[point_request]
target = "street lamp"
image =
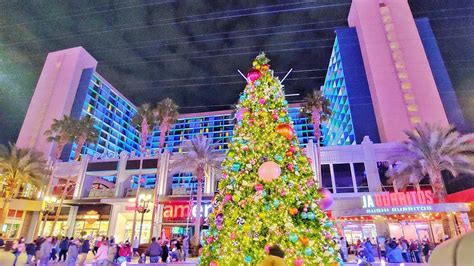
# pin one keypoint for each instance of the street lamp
(48, 208)
(143, 201)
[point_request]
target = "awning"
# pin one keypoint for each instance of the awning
(438, 207)
(461, 196)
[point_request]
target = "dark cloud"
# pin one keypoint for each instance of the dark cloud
(191, 50)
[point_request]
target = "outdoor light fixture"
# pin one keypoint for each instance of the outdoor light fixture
(48, 208)
(143, 202)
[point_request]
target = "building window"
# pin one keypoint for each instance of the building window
(326, 177)
(343, 178)
(361, 177)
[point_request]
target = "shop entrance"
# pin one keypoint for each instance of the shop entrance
(359, 231)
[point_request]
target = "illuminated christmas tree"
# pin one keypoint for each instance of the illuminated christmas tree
(268, 193)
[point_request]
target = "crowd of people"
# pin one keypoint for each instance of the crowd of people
(74, 251)
(402, 250)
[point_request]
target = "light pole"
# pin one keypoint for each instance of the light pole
(144, 201)
(48, 208)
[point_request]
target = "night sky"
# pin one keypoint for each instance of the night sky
(190, 50)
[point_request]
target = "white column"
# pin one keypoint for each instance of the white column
(163, 181)
(71, 220)
(81, 177)
(33, 224)
(114, 211)
(122, 175)
(333, 178)
(370, 162)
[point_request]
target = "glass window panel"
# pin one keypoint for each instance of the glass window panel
(326, 177)
(361, 177)
(343, 178)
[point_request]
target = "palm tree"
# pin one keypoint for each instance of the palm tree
(19, 167)
(197, 156)
(62, 132)
(317, 109)
(429, 150)
(144, 119)
(166, 114)
(84, 132)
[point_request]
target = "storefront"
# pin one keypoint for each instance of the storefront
(412, 215)
(92, 220)
(179, 217)
(13, 223)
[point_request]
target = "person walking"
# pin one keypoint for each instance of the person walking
(85, 248)
(112, 252)
(63, 247)
(426, 250)
(394, 253)
(97, 244)
(275, 257)
(368, 251)
(73, 252)
(135, 246)
(185, 247)
(45, 252)
(165, 251)
(404, 246)
(18, 248)
(126, 251)
(55, 245)
(2, 242)
(102, 255)
(154, 251)
(343, 250)
(30, 249)
(38, 242)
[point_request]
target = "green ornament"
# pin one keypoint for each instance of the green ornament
(276, 203)
(235, 167)
(278, 157)
(308, 251)
(311, 215)
(293, 237)
(304, 215)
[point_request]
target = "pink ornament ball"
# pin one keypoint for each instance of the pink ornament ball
(269, 171)
(262, 101)
(326, 201)
(253, 75)
(213, 263)
(209, 240)
(299, 262)
(227, 197)
(267, 248)
(258, 187)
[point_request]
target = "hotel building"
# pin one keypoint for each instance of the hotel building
(385, 75)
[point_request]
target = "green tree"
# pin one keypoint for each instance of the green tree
(145, 121)
(165, 114)
(268, 193)
(429, 150)
(61, 131)
(19, 167)
(197, 157)
(84, 132)
(317, 109)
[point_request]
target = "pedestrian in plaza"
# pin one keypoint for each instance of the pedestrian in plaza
(73, 252)
(154, 251)
(426, 250)
(97, 244)
(405, 252)
(343, 250)
(394, 253)
(125, 251)
(63, 247)
(165, 251)
(54, 250)
(185, 247)
(2, 242)
(18, 248)
(45, 252)
(85, 248)
(275, 257)
(102, 254)
(135, 246)
(38, 242)
(30, 249)
(368, 251)
(112, 251)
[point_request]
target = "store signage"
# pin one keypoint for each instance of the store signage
(411, 201)
(179, 211)
(90, 216)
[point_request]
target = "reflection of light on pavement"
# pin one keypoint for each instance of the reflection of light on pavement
(402, 264)
(123, 263)
(359, 261)
(382, 263)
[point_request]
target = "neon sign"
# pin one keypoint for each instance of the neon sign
(398, 202)
(179, 211)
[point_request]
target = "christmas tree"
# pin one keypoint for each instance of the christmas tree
(268, 193)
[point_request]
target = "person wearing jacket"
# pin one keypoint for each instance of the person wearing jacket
(275, 257)
(18, 248)
(30, 249)
(73, 252)
(394, 254)
(85, 248)
(165, 251)
(63, 247)
(45, 252)
(102, 254)
(112, 252)
(154, 251)
(368, 251)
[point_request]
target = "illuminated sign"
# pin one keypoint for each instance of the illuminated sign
(398, 202)
(180, 211)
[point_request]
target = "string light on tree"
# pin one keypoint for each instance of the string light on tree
(274, 198)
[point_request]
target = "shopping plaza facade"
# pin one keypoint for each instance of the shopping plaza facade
(385, 75)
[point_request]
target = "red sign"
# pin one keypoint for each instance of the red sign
(392, 199)
(180, 211)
